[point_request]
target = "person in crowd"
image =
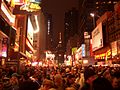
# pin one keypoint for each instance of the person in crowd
(47, 85)
(116, 80)
(1, 86)
(107, 74)
(71, 82)
(89, 76)
(28, 85)
(14, 81)
(101, 83)
(70, 88)
(58, 80)
(80, 79)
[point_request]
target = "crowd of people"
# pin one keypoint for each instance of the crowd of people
(60, 78)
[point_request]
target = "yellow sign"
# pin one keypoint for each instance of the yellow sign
(34, 6)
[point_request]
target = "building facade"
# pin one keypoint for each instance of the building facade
(98, 7)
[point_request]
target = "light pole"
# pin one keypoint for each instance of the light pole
(93, 16)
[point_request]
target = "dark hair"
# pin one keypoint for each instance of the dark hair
(29, 85)
(101, 84)
(88, 72)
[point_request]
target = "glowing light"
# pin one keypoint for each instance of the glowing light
(34, 63)
(7, 13)
(40, 63)
(37, 29)
(4, 54)
(85, 61)
(92, 14)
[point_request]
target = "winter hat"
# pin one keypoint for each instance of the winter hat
(88, 72)
(15, 75)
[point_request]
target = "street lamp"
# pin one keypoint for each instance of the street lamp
(93, 16)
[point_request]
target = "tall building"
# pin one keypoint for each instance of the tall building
(49, 33)
(18, 25)
(70, 24)
(59, 50)
(98, 7)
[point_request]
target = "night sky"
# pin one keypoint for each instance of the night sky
(57, 8)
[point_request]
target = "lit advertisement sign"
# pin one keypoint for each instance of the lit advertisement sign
(83, 50)
(114, 48)
(31, 5)
(30, 30)
(8, 14)
(20, 2)
(29, 45)
(74, 50)
(97, 38)
(4, 47)
(37, 1)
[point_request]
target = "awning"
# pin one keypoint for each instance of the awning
(102, 50)
(18, 55)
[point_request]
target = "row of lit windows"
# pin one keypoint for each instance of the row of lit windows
(109, 2)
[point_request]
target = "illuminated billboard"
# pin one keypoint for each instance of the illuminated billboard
(30, 30)
(31, 5)
(20, 2)
(97, 38)
(83, 50)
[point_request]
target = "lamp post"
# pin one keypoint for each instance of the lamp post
(93, 16)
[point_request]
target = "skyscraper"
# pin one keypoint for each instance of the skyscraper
(70, 24)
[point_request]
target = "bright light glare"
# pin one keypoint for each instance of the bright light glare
(34, 63)
(92, 14)
(85, 61)
(37, 29)
(10, 16)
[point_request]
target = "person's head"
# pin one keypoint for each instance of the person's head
(101, 84)
(116, 80)
(58, 80)
(71, 78)
(89, 74)
(107, 74)
(47, 84)
(70, 88)
(14, 80)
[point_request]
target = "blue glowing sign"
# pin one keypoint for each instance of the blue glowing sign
(83, 50)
